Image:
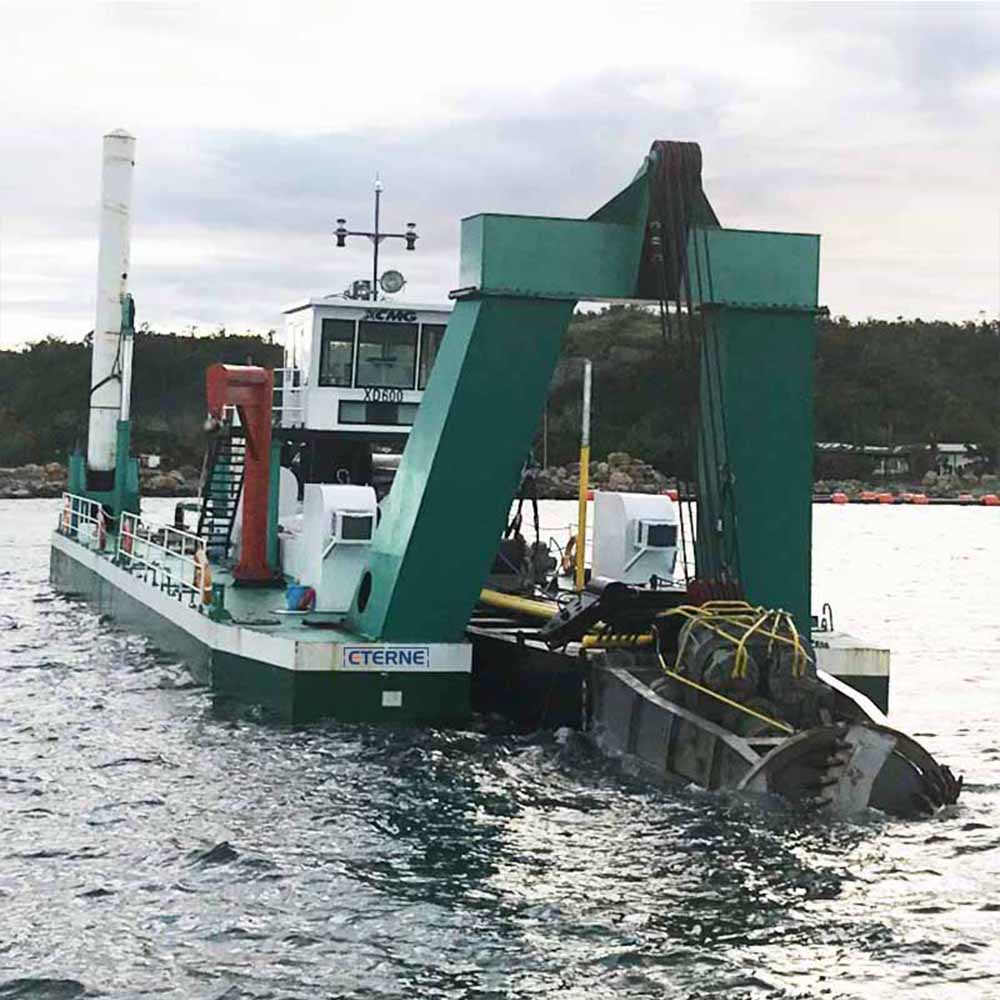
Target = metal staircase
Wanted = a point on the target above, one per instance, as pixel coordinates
(222, 484)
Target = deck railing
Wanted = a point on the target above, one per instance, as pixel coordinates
(287, 408)
(169, 558)
(84, 520)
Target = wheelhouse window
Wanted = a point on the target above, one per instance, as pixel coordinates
(387, 355)
(430, 342)
(336, 361)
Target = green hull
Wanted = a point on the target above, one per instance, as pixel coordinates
(875, 689)
(285, 695)
(299, 697)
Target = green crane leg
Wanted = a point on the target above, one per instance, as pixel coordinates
(522, 277)
(758, 294)
(449, 502)
(763, 364)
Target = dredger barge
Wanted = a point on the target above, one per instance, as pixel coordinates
(311, 586)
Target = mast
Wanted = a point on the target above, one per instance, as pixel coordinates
(581, 523)
(110, 368)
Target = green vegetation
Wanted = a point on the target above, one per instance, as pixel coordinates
(43, 395)
(876, 383)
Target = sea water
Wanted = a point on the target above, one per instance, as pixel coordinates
(150, 848)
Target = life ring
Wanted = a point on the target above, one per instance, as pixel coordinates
(568, 563)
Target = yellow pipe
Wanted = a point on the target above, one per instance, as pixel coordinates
(581, 518)
(545, 610)
(523, 605)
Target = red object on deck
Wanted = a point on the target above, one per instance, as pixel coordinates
(920, 498)
(250, 390)
(990, 500)
(838, 497)
(886, 498)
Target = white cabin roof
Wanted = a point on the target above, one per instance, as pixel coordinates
(339, 302)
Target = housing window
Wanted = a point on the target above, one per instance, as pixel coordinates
(336, 360)
(661, 536)
(430, 342)
(387, 355)
(353, 411)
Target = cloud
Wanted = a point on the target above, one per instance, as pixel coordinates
(874, 125)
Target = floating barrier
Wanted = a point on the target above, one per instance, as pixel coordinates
(919, 499)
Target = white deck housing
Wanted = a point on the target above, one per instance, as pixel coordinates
(358, 367)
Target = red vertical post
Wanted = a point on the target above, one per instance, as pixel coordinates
(250, 389)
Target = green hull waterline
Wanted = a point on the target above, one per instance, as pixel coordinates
(292, 696)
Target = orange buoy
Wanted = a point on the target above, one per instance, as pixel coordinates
(920, 498)
(868, 496)
(590, 494)
(990, 500)
(838, 497)
(673, 494)
(885, 498)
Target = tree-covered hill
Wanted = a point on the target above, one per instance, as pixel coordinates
(43, 394)
(877, 382)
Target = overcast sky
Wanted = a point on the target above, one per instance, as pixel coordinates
(876, 126)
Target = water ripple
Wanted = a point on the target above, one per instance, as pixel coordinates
(151, 848)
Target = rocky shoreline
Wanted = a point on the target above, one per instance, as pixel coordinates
(620, 472)
(33, 481)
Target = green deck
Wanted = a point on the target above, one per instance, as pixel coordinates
(260, 609)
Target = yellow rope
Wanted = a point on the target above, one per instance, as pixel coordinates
(784, 727)
(723, 617)
(749, 620)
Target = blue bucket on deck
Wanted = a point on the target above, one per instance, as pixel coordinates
(299, 598)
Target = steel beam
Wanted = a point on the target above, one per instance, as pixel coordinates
(758, 295)
(449, 501)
